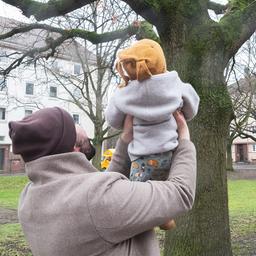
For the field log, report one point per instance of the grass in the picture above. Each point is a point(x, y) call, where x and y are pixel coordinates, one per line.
point(242, 208)
point(12, 242)
point(242, 195)
point(10, 188)
point(242, 211)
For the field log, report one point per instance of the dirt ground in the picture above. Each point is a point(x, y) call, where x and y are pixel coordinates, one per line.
point(240, 174)
point(8, 216)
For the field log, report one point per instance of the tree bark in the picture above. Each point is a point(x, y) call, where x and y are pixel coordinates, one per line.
point(97, 158)
point(205, 230)
point(229, 162)
point(208, 221)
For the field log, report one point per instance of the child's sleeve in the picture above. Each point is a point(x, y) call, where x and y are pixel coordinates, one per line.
point(114, 117)
point(190, 101)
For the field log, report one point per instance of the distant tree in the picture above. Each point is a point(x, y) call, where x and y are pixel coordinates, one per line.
point(242, 72)
point(94, 77)
point(88, 90)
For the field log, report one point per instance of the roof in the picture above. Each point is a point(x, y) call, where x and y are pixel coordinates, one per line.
point(69, 50)
point(246, 84)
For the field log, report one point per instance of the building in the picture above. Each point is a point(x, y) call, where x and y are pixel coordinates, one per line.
point(28, 89)
point(244, 150)
point(244, 99)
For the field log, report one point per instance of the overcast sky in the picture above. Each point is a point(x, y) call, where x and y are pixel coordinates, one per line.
point(12, 12)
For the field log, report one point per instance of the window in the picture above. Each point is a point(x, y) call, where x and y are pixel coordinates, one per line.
point(76, 118)
point(28, 112)
point(53, 91)
point(254, 147)
point(3, 85)
point(77, 69)
point(29, 88)
point(77, 93)
point(2, 113)
point(55, 66)
point(3, 56)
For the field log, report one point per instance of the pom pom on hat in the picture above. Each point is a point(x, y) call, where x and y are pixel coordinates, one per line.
point(140, 61)
point(46, 132)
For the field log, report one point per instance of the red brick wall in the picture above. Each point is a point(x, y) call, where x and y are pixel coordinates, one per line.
point(16, 163)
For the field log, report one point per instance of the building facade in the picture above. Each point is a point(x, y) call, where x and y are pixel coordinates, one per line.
point(244, 150)
point(29, 88)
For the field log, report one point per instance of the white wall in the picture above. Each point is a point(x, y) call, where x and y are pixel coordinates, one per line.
point(16, 101)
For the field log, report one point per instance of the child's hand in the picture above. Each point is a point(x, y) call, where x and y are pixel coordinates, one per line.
point(127, 134)
point(183, 130)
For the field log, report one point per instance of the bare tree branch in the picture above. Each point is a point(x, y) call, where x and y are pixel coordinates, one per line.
point(110, 136)
point(245, 135)
point(34, 53)
point(52, 8)
point(80, 33)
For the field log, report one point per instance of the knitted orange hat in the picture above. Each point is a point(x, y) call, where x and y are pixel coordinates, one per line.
point(140, 61)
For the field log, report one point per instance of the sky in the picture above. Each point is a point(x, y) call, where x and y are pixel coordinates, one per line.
point(9, 11)
point(12, 12)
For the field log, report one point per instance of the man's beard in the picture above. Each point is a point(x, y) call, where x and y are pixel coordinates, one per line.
point(89, 153)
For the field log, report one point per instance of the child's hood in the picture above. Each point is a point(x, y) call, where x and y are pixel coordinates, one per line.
point(153, 99)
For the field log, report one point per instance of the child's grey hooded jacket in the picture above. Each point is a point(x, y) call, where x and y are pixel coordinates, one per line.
point(151, 103)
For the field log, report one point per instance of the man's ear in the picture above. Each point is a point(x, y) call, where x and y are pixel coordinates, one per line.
point(76, 149)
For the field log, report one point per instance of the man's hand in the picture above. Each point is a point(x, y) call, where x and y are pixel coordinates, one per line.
point(168, 225)
point(127, 134)
point(183, 130)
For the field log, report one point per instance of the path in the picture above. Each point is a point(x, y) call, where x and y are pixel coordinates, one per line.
point(8, 216)
point(243, 171)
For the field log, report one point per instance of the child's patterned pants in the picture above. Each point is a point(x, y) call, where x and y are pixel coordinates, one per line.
point(151, 167)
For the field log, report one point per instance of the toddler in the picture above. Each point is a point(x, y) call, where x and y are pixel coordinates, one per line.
point(150, 94)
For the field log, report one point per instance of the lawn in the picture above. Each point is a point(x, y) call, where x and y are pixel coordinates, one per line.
point(242, 208)
point(242, 211)
point(10, 188)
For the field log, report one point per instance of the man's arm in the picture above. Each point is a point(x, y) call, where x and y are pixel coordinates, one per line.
point(129, 208)
point(120, 161)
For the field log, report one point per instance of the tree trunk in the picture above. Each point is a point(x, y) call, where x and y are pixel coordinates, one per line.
point(97, 158)
point(229, 162)
point(208, 221)
point(205, 230)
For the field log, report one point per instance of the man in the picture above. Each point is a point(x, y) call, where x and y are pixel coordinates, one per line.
point(71, 209)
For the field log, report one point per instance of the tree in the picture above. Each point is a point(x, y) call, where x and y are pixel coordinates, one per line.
point(242, 70)
point(92, 85)
point(199, 49)
point(92, 81)
point(244, 108)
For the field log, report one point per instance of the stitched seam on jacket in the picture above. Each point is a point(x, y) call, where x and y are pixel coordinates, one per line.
point(96, 229)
